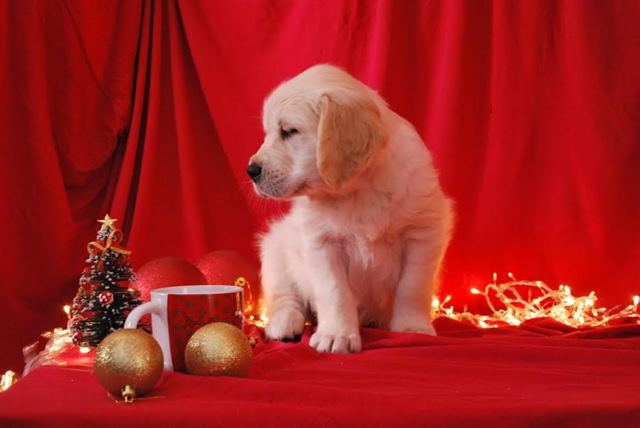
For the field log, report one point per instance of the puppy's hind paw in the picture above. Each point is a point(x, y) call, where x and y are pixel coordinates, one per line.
point(415, 324)
point(285, 324)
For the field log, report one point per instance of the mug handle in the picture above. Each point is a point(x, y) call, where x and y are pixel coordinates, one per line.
point(146, 308)
point(156, 308)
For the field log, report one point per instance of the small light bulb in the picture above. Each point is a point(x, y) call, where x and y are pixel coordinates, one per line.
point(475, 291)
point(8, 379)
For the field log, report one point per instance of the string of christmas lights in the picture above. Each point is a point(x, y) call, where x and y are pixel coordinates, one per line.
point(509, 306)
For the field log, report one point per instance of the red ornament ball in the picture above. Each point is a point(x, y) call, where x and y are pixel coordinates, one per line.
point(223, 267)
point(105, 298)
point(166, 272)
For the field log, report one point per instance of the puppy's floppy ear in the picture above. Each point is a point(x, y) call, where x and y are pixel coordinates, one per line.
point(349, 133)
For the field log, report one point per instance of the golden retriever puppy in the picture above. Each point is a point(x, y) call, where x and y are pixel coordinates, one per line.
point(369, 223)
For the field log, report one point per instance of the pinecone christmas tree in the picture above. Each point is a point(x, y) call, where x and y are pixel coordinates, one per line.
point(104, 298)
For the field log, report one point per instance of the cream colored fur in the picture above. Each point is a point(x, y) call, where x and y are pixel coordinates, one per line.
point(369, 223)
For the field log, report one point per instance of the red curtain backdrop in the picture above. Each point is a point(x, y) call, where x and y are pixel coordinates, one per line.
point(150, 110)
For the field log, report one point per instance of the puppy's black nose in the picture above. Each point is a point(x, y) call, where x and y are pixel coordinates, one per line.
point(254, 170)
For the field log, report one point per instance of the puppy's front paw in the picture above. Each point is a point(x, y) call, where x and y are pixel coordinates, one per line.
point(416, 323)
point(285, 324)
point(336, 343)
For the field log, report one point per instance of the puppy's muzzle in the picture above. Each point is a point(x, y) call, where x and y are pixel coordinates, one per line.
point(255, 171)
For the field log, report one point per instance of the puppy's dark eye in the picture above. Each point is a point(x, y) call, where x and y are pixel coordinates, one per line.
point(286, 133)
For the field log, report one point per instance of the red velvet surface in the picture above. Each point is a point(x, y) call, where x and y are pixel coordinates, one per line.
point(538, 375)
point(149, 109)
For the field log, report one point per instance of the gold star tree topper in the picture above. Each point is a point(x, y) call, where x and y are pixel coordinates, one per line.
point(107, 222)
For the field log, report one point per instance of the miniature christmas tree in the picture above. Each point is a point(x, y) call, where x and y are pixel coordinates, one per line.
point(104, 298)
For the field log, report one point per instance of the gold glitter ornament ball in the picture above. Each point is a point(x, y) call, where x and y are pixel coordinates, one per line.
point(128, 358)
point(218, 349)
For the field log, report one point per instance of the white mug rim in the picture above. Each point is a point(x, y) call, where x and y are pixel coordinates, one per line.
point(186, 290)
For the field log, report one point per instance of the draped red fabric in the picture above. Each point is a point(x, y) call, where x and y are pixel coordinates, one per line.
point(534, 376)
point(150, 110)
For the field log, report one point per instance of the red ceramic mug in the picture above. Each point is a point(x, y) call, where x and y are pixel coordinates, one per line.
point(177, 312)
